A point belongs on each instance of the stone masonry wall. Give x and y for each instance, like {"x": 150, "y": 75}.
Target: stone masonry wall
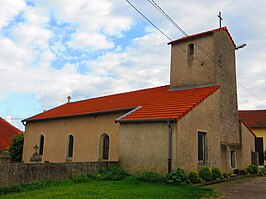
{"x": 20, "y": 173}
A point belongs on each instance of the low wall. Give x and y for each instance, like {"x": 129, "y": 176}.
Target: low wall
{"x": 21, "y": 173}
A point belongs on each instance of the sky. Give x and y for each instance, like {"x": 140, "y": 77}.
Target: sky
{"x": 57, "y": 48}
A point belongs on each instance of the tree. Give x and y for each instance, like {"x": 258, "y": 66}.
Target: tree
{"x": 16, "y": 148}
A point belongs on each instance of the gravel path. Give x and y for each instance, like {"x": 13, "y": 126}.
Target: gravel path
{"x": 251, "y": 188}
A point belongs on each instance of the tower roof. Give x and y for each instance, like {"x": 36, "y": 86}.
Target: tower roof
{"x": 202, "y": 34}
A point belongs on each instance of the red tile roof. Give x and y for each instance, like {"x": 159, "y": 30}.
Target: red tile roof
{"x": 7, "y": 132}
{"x": 202, "y": 34}
{"x": 156, "y": 104}
{"x": 254, "y": 118}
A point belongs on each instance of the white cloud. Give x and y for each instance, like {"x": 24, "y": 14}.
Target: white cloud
{"x": 10, "y": 9}
{"x": 95, "y": 21}
{"x": 83, "y": 40}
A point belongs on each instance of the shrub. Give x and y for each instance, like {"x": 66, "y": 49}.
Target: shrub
{"x": 253, "y": 169}
{"x": 237, "y": 171}
{"x": 261, "y": 173}
{"x": 111, "y": 173}
{"x": 81, "y": 178}
{"x": 216, "y": 173}
{"x": 193, "y": 177}
{"x": 243, "y": 172}
{"x": 226, "y": 175}
{"x": 150, "y": 176}
{"x": 16, "y": 148}
{"x": 206, "y": 174}
{"x": 264, "y": 169}
{"x": 177, "y": 176}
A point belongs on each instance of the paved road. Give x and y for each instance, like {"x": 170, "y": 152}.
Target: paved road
{"x": 252, "y": 188}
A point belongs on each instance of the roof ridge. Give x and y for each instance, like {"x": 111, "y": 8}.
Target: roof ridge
{"x": 203, "y": 33}
{"x": 118, "y": 94}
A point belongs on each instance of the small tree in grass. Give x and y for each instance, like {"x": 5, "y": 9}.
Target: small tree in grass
{"x": 16, "y": 148}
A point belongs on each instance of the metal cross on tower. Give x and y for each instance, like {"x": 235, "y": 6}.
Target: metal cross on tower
{"x": 220, "y": 19}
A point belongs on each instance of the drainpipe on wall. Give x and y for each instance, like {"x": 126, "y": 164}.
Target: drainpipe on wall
{"x": 169, "y": 146}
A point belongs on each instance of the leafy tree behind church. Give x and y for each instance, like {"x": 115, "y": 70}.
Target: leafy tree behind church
{"x": 16, "y": 148}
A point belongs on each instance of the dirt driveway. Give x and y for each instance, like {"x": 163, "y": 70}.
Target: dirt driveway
{"x": 251, "y": 188}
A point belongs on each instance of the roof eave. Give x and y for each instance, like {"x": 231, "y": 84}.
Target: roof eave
{"x": 148, "y": 120}
{"x": 79, "y": 115}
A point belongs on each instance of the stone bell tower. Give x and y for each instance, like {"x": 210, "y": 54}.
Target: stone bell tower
{"x": 205, "y": 59}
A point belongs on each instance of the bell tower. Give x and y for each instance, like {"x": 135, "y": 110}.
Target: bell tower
{"x": 204, "y": 59}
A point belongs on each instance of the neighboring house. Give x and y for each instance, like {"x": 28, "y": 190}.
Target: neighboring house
{"x": 192, "y": 122}
{"x": 256, "y": 120}
{"x": 7, "y": 133}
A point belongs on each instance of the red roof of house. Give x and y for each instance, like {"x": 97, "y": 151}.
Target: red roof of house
{"x": 7, "y": 132}
{"x": 198, "y": 35}
{"x": 254, "y": 118}
{"x": 152, "y": 104}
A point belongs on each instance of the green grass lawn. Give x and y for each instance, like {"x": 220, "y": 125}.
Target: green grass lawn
{"x": 128, "y": 188}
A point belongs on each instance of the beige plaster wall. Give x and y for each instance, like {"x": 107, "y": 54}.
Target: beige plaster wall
{"x": 144, "y": 146}
{"x": 203, "y": 118}
{"x": 226, "y": 77}
{"x": 187, "y": 71}
{"x": 86, "y": 131}
{"x": 247, "y": 146}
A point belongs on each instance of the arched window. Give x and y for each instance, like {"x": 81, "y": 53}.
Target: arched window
{"x": 70, "y": 146}
{"x": 41, "y": 144}
{"x": 190, "y": 49}
{"x": 104, "y": 147}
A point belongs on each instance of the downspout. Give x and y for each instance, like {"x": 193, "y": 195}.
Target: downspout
{"x": 169, "y": 146}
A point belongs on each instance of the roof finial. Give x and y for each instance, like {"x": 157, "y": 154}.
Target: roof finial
{"x": 68, "y": 99}
{"x": 220, "y": 18}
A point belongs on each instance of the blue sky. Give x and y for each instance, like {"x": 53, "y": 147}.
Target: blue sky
{"x": 55, "y": 48}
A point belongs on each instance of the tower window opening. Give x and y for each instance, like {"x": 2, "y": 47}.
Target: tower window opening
{"x": 191, "y": 49}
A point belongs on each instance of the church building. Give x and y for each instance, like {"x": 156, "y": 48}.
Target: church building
{"x": 191, "y": 123}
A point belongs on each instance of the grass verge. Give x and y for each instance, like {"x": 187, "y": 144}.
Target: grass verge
{"x": 129, "y": 187}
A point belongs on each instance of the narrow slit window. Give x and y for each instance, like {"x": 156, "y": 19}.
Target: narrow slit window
{"x": 106, "y": 142}
{"x": 191, "y": 49}
{"x": 233, "y": 158}
{"x": 41, "y": 145}
{"x": 70, "y": 146}
{"x": 202, "y": 151}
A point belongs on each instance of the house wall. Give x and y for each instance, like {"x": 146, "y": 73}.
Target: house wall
{"x": 247, "y": 146}
{"x": 203, "y": 118}
{"x": 261, "y": 132}
{"x": 86, "y": 131}
{"x": 144, "y": 146}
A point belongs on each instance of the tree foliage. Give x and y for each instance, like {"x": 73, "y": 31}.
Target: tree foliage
{"x": 16, "y": 148}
